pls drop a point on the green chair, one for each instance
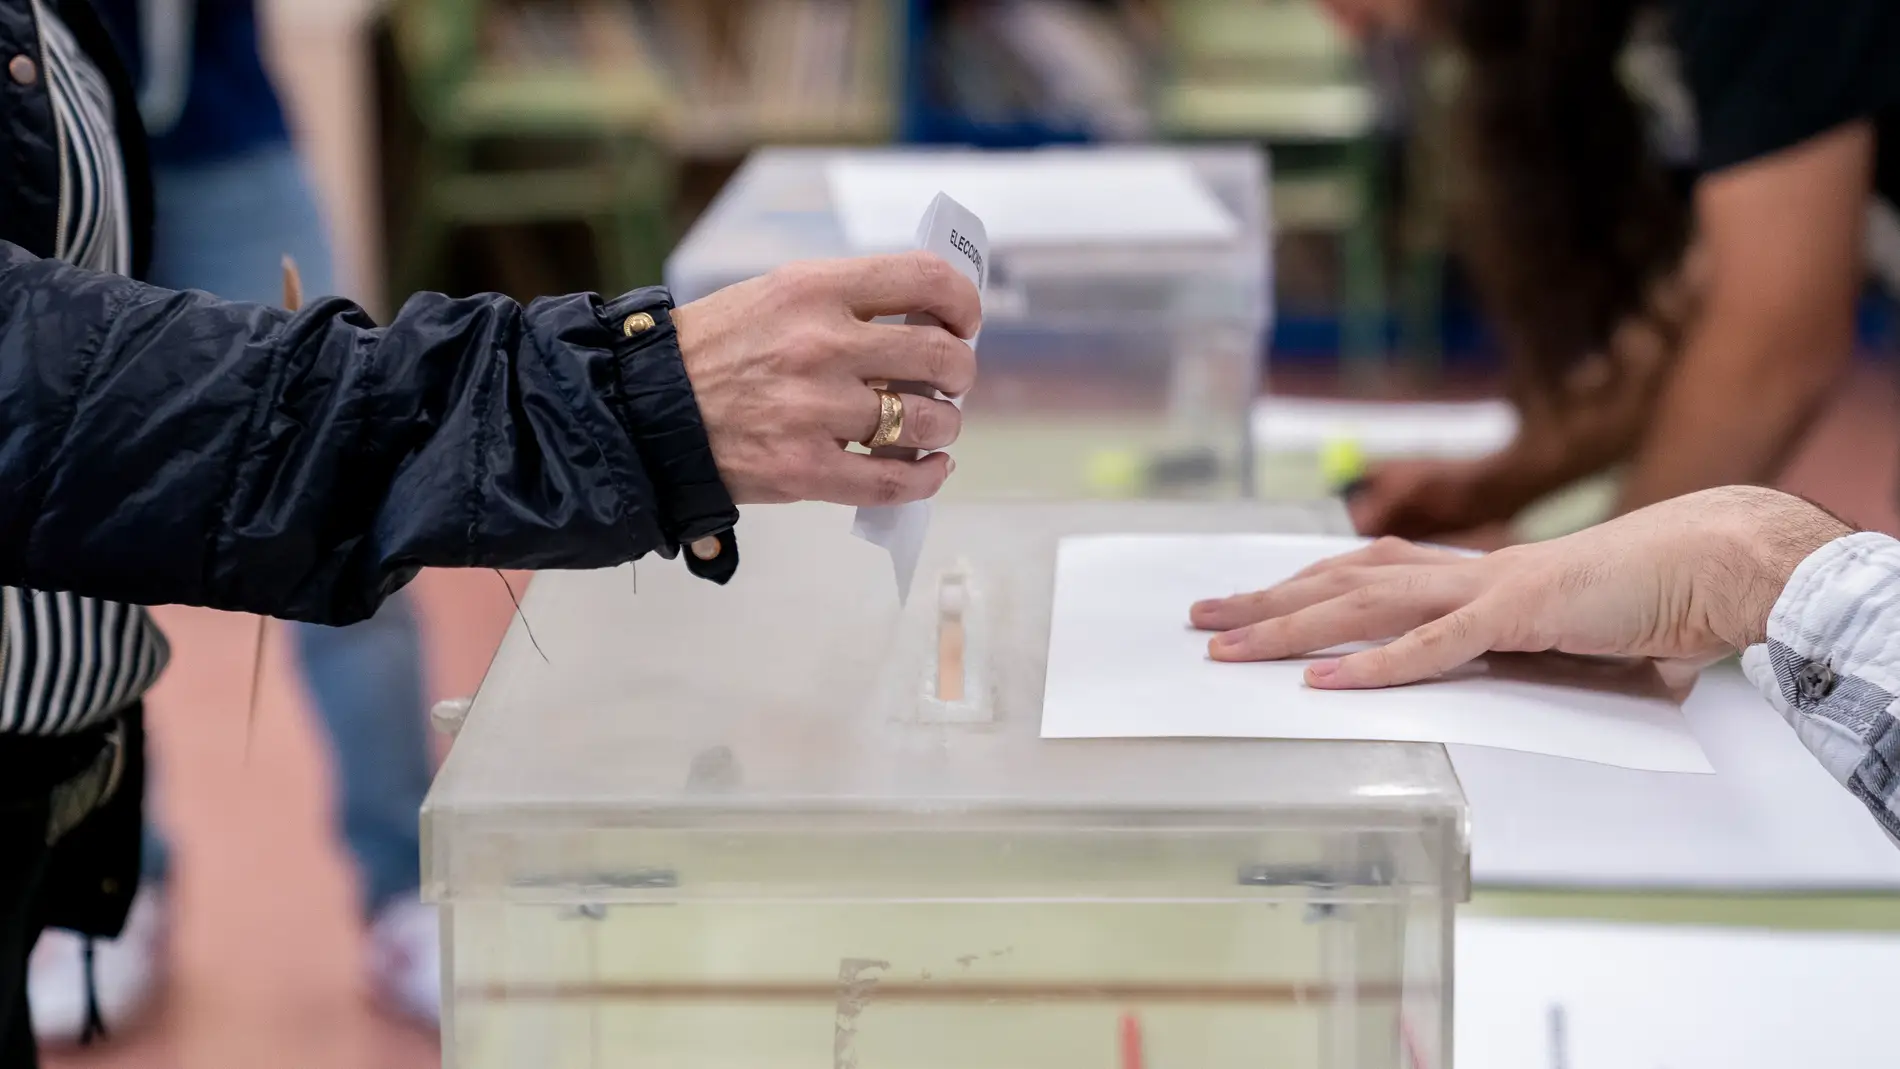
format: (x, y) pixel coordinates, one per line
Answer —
(604, 117)
(1278, 71)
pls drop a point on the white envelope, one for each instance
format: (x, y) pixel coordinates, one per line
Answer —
(953, 233)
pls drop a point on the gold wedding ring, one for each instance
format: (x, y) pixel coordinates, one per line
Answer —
(890, 420)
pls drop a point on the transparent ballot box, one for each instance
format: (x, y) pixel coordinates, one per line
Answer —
(1121, 345)
(791, 824)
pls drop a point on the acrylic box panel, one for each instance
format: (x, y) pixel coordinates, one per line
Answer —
(744, 826)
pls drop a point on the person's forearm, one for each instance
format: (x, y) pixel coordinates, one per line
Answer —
(1829, 665)
(1598, 417)
(1560, 442)
(1783, 267)
(164, 447)
(1737, 404)
(1542, 461)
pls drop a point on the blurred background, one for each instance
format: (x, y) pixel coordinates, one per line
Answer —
(546, 146)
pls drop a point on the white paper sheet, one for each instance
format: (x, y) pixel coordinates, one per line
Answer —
(954, 233)
(1449, 429)
(1123, 662)
(1770, 819)
(1583, 995)
(1103, 196)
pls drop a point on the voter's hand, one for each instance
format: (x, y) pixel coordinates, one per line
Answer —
(1426, 499)
(783, 368)
(1690, 580)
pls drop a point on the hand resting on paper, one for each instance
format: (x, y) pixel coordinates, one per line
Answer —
(1687, 580)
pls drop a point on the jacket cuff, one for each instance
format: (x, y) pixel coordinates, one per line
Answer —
(1816, 611)
(1826, 666)
(657, 406)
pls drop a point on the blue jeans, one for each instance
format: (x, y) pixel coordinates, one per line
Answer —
(225, 227)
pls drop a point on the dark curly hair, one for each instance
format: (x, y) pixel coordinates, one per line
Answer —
(1566, 220)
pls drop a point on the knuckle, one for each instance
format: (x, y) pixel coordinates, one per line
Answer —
(810, 345)
(789, 280)
(1369, 597)
(926, 424)
(1389, 547)
(940, 357)
(1458, 627)
(1343, 580)
(1506, 556)
(1436, 636)
(803, 277)
(949, 423)
(890, 487)
(811, 413)
(788, 471)
(930, 271)
(959, 363)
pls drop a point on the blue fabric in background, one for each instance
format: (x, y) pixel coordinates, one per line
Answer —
(232, 200)
(230, 107)
(223, 226)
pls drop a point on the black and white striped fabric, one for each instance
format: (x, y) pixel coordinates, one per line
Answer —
(67, 662)
(93, 213)
(72, 661)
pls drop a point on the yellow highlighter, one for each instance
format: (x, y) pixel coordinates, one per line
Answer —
(1114, 473)
(1343, 465)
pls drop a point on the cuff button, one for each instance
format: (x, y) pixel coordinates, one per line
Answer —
(1814, 681)
(637, 323)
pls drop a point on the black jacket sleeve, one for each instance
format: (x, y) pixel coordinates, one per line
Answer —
(162, 447)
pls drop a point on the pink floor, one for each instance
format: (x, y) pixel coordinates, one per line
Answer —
(266, 967)
(266, 963)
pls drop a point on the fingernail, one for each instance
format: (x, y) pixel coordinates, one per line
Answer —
(1320, 671)
(1202, 607)
(1231, 638)
(949, 466)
